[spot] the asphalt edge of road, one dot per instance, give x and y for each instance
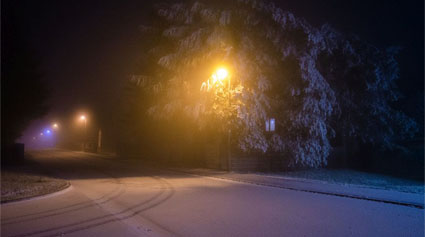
(65, 189)
(360, 197)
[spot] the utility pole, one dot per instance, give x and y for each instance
(99, 141)
(85, 134)
(229, 154)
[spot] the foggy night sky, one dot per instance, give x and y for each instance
(88, 48)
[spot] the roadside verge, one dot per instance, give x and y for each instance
(25, 181)
(348, 191)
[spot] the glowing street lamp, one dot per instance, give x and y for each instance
(217, 80)
(55, 126)
(222, 73)
(83, 118)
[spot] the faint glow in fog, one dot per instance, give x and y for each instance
(41, 134)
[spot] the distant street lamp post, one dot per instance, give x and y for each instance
(55, 126)
(84, 119)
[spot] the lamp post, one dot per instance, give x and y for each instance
(223, 74)
(84, 119)
(218, 77)
(55, 129)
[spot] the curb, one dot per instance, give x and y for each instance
(67, 188)
(353, 196)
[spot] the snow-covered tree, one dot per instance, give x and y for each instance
(277, 69)
(364, 80)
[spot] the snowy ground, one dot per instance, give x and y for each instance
(346, 176)
(25, 181)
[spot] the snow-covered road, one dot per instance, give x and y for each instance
(114, 198)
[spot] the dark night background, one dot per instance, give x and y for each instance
(88, 48)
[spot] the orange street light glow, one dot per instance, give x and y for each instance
(217, 77)
(82, 117)
(221, 73)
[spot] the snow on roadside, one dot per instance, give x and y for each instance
(20, 183)
(358, 178)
